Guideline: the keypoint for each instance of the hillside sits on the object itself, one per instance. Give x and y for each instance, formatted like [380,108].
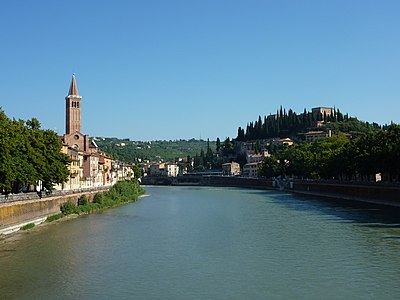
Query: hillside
[290,124]
[137,151]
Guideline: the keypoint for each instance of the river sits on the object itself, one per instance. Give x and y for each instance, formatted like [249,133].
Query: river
[210,243]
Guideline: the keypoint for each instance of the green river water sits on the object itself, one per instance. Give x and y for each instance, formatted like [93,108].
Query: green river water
[210,243]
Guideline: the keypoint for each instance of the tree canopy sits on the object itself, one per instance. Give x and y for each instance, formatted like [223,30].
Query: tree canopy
[338,157]
[28,155]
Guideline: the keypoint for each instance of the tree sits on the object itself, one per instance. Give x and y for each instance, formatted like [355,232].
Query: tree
[257,147]
[228,147]
[29,154]
[300,160]
[269,167]
[137,172]
[218,143]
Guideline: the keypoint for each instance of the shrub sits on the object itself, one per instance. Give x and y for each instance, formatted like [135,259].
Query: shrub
[98,198]
[124,191]
[28,226]
[55,217]
[68,208]
[83,200]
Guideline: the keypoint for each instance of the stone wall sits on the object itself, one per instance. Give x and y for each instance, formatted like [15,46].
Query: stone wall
[372,193]
[376,193]
[23,211]
[238,182]
[210,181]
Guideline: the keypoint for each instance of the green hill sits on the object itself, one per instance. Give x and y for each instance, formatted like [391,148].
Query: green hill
[138,151]
[290,124]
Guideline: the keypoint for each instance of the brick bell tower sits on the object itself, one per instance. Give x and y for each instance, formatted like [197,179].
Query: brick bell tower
[73,109]
[73,136]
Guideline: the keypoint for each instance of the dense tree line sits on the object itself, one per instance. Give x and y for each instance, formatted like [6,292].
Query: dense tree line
[338,157]
[224,152]
[207,159]
[286,123]
[28,155]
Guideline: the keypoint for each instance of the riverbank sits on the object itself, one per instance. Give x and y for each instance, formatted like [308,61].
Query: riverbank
[17,235]
[373,193]
[15,215]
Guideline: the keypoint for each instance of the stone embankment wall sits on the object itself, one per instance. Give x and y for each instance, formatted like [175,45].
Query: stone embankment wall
[376,193]
[372,193]
[210,181]
[233,181]
[15,213]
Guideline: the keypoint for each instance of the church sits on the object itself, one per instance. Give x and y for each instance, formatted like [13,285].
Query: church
[89,167]
[73,126]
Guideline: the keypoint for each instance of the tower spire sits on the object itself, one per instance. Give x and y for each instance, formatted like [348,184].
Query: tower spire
[73,109]
[73,88]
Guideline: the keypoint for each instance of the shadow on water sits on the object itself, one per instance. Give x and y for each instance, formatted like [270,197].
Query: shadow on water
[366,214]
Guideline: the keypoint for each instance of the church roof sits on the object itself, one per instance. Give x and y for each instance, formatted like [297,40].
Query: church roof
[73,89]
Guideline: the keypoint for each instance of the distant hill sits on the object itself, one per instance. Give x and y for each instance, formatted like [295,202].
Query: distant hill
[287,123]
[137,151]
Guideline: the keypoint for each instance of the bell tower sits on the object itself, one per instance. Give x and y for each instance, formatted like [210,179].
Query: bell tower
[73,109]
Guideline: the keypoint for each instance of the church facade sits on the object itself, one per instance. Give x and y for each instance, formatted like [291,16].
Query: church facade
[89,167]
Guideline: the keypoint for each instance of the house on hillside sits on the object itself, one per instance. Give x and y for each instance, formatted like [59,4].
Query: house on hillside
[171,169]
[251,169]
[156,169]
[251,158]
[282,142]
[312,136]
[231,169]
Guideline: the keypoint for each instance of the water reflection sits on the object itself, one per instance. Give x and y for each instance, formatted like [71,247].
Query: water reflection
[347,211]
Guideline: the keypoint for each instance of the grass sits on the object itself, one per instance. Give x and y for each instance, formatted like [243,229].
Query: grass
[54,217]
[28,226]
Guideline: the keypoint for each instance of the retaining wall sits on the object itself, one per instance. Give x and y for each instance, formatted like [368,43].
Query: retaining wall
[376,193]
[371,193]
[13,214]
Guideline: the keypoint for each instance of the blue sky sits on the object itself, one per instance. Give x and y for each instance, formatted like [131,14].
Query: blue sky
[187,69]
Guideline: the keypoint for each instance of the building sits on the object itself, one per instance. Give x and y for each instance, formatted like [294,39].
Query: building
[76,168]
[73,136]
[285,142]
[251,158]
[319,112]
[171,169]
[231,169]
[312,136]
[91,171]
[105,163]
[251,169]
[89,166]
[122,171]
[156,169]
